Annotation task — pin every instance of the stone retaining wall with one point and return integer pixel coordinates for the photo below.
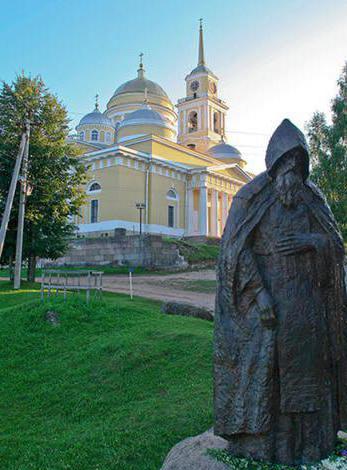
(149, 251)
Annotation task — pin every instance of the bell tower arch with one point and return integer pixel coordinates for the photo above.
(201, 113)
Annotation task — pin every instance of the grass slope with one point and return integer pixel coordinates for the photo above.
(196, 253)
(114, 386)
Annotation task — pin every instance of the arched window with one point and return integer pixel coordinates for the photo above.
(171, 194)
(94, 187)
(108, 136)
(95, 135)
(192, 121)
(82, 135)
(216, 122)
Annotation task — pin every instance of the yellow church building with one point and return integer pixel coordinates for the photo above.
(173, 161)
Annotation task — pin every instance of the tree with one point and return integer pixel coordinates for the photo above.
(328, 145)
(55, 174)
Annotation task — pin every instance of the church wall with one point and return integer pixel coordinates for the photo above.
(179, 156)
(124, 186)
(87, 129)
(121, 187)
(144, 146)
(144, 130)
(159, 187)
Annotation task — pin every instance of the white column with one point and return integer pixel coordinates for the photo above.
(184, 122)
(214, 213)
(225, 209)
(203, 213)
(190, 212)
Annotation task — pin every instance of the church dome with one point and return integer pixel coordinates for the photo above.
(225, 152)
(140, 85)
(96, 117)
(144, 121)
(129, 97)
(145, 115)
(96, 127)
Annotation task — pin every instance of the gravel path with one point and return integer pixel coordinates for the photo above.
(164, 287)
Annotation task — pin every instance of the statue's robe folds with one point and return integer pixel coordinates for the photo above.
(286, 385)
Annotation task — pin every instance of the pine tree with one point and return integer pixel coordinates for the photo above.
(55, 174)
(328, 145)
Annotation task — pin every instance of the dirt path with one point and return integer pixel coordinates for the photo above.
(165, 287)
(188, 287)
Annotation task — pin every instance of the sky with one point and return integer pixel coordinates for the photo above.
(275, 59)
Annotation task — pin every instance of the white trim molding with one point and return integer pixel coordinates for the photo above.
(108, 225)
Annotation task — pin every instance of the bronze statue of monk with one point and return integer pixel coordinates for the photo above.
(280, 363)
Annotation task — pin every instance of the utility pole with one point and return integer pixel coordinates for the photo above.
(12, 190)
(21, 214)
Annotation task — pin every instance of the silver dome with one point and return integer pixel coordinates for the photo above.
(96, 117)
(144, 115)
(225, 151)
(201, 69)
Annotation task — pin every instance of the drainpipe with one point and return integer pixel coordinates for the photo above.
(147, 192)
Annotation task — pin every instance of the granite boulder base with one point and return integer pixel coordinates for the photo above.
(192, 453)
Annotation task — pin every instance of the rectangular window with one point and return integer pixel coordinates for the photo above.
(171, 216)
(94, 208)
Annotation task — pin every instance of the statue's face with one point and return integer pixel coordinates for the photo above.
(288, 180)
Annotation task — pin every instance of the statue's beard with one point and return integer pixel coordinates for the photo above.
(288, 188)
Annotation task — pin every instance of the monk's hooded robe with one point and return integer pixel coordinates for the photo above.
(280, 394)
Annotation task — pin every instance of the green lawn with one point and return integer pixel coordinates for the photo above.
(200, 285)
(4, 272)
(114, 386)
(196, 252)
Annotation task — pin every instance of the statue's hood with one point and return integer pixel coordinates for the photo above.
(286, 138)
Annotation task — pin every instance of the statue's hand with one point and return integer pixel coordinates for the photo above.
(296, 243)
(265, 305)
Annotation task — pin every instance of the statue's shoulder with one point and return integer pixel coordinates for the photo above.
(315, 190)
(251, 189)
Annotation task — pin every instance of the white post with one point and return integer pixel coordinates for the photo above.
(214, 213)
(131, 284)
(203, 215)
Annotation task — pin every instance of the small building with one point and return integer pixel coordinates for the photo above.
(177, 165)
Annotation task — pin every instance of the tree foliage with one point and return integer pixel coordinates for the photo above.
(54, 172)
(328, 145)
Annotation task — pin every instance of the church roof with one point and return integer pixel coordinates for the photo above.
(225, 151)
(144, 115)
(140, 84)
(96, 117)
(201, 67)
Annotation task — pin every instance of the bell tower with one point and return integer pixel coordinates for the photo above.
(201, 114)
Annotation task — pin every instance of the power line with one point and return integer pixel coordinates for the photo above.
(234, 131)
